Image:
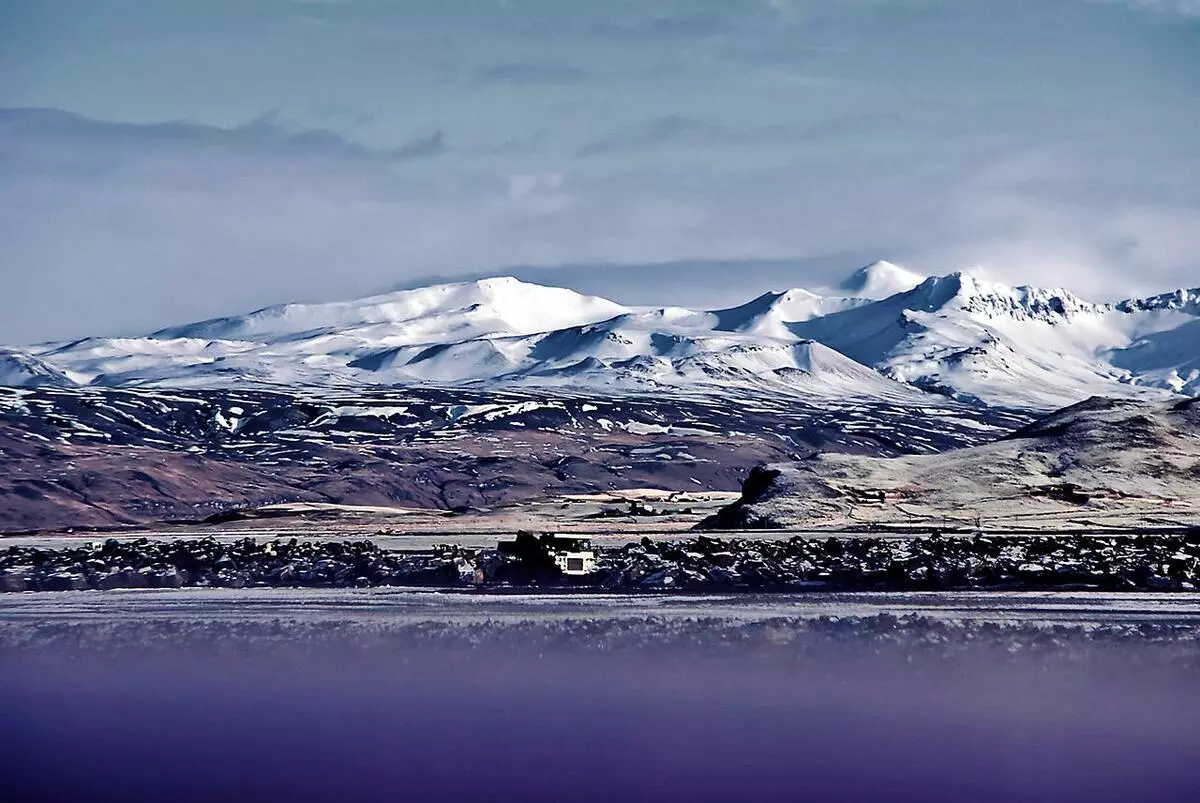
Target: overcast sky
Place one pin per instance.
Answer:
(169, 160)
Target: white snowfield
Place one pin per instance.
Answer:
(885, 332)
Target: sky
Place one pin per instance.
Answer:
(163, 161)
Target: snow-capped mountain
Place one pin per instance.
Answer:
(879, 280)
(316, 343)
(497, 306)
(1024, 346)
(887, 332)
(491, 330)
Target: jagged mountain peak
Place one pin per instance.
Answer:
(1182, 300)
(973, 294)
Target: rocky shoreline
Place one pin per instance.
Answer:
(1112, 563)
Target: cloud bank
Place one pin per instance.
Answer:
(121, 228)
(220, 156)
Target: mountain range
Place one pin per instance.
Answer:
(884, 332)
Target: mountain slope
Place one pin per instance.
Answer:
(669, 347)
(1096, 463)
(102, 456)
(1165, 358)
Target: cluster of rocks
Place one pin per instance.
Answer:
(1116, 563)
(1143, 562)
(144, 563)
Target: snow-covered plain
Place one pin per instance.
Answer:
(885, 332)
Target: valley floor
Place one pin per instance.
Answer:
(103, 457)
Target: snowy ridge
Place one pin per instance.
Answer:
(670, 346)
(957, 335)
(1183, 300)
(21, 369)
(770, 313)
(501, 305)
(1023, 346)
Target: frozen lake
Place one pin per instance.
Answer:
(385, 694)
(399, 605)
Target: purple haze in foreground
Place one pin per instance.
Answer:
(524, 725)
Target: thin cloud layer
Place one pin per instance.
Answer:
(136, 227)
(1187, 8)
